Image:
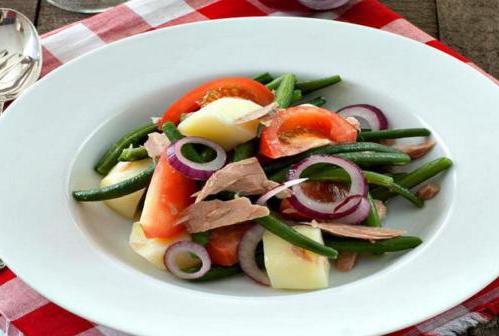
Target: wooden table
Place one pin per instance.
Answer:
(469, 26)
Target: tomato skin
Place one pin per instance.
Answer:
(299, 128)
(224, 87)
(224, 242)
(168, 194)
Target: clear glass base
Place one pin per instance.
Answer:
(85, 6)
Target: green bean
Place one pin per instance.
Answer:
(425, 172)
(317, 84)
(417, 176)
(110, 158)
(188, 150)
(133, 154)
(373, 158)
(207, 154)
(171, 131)
(331, 173)
(264, 78)
(119, 189)
(296, 96)
(219, 272)
(377, 178)
(329, 149)
(244, 151)
(274, 84)
(317, 101)
(378, 247)
(397, 176)
(373, 217)
(284, 93)
(292, 236)
(201, 238)
(407, 194)
(393, 134)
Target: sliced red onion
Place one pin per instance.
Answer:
(280, 188)
(191, 169)
(246, 253)
(371, 115)
(311, 207)
(323, 4)
(187, 247)
(360, 212)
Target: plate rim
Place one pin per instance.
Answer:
(465, 67)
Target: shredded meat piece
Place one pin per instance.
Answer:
(381, 209)
(246, 176)
(156, 144)
(207, 215)
(354, 122)
(346, 261)
(265, 111)
(357, 231)
(417, 151)
(388, 142)
(428, 191)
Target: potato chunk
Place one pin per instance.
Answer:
(216, 122)
(291, 267)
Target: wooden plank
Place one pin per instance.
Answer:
(488, 329)
(51, 17)
(422, 13)
(472, 28)
(27, 7)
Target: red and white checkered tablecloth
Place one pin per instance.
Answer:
(25, 312)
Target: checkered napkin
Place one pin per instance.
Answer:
(25, 312)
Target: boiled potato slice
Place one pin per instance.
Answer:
(216, 122)
(152, 249)
(291, 267)
(125, 205)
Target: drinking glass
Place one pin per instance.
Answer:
(85, 6)
(323, 4)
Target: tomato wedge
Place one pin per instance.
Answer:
(168, 194)
(299, 128)
(224, 242)
(224, 87)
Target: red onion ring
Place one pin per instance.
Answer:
(360, 212)
(187, 247)
(191, 169)
(271, 193)
(373, 116)
(330, 210)
(246, 252)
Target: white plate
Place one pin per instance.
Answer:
(77, 255)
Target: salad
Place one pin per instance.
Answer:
(245, 175)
